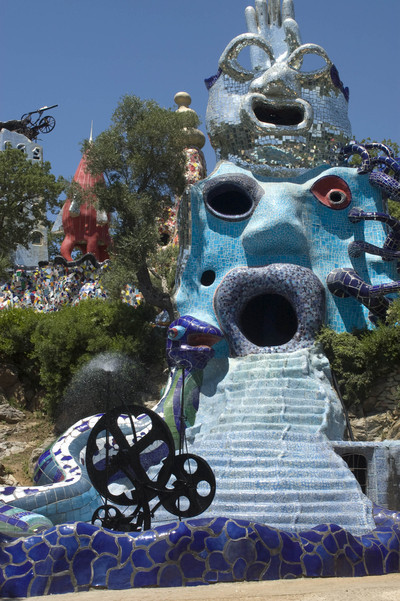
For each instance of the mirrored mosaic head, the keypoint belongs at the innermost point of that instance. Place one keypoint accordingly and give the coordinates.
(276, 116)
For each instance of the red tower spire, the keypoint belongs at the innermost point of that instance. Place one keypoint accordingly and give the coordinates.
(84, 226)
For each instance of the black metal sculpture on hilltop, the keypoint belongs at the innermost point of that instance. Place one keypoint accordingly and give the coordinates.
(29, 126)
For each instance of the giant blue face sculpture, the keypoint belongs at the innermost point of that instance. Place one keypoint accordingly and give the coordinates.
(272, 260)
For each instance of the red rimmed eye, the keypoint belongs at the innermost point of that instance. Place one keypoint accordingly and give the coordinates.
(333, 192)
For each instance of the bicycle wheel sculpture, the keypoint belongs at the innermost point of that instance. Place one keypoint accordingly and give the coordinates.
(131, 461)
(46, 124)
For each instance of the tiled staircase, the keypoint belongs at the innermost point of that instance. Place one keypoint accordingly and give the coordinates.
(263, 434)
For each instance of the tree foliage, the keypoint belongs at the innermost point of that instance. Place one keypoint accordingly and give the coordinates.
(27, 192)
(360, 358)
(141, 157)
(49, 348)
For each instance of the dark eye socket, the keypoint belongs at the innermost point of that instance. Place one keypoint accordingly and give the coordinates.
(333, 192)
(232, 197)
(229, 201)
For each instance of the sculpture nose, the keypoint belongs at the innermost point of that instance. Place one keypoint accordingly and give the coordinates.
(278, 80)
(276, 229)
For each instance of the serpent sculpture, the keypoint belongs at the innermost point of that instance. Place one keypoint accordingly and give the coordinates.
(284, 236)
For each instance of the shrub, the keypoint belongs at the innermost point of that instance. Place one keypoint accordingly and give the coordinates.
(16, 330)
(49, 348)
(67, 339)
(360, 358)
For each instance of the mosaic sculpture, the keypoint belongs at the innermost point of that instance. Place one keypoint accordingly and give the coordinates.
(84, 225)
(283, 236)
(276, 117)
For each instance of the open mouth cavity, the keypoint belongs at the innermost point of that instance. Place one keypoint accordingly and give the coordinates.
(272, 309)
(275, 115)
(267, 115)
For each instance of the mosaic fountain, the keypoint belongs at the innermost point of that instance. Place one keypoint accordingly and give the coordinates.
(282, 237)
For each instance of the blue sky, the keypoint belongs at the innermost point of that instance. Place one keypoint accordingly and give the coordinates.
(85, 54)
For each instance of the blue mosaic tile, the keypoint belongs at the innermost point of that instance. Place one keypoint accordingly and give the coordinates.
(217, 543)
(17, 552)
(170, 576)
(16, 587)
(262, 552)
(82, 566)
(235, 531)
(312, 565)
(217, 561)
(38, 587)
(239, 569)
(392, 562)
(244, 548)
(140, 559)
(290, 570)
(120, 578)
(191, 566)
(176, 533)
(198, 544)
(158, 551)
(61, 583)
(70, 545)
(273, 569)
(103, 543)
(343, 565)
(101, 567)
(291, 549)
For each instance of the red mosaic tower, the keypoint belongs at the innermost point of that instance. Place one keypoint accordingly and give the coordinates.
(85, 227)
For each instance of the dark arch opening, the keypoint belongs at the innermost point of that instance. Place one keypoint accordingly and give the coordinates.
(268, 320)
(358, 465)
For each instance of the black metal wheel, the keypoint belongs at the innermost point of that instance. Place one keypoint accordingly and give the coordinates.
(107, 516)
(190, 489)
(46, 124)
(114, 456)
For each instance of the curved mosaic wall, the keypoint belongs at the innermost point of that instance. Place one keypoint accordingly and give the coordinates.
(78, 557)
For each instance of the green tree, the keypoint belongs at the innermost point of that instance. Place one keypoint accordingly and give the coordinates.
(27, 192)
(141, 156)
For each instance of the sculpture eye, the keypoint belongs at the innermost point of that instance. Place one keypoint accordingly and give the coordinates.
(176, 333)
(232, 197)
(229, 201)
(310, 60)
(228, 62)
(333, 192)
